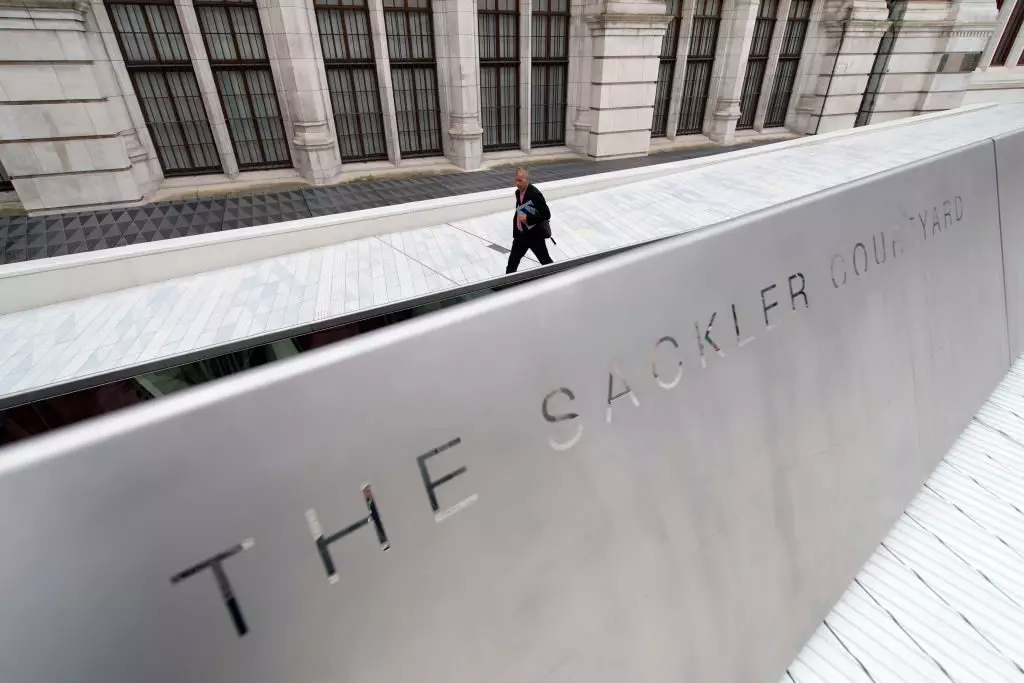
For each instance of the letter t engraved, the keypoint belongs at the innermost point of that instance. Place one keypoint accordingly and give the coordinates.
(216, 565)
(323, 543)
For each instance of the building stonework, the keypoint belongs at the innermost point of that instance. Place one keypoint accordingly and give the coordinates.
(105, 102)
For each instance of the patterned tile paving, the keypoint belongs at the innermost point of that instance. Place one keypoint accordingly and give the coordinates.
(75, 340)
(25, 239)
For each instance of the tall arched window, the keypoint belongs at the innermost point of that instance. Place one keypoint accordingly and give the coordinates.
(700, 60)
(158, 62)
(549, 80)
(498, 33)
(241, 68)
(347, 45)
(410, 32)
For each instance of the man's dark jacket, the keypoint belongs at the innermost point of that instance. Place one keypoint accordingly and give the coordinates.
(534, 206)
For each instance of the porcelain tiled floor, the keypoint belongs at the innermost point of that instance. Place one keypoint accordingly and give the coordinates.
(26, 239)
(78, 339)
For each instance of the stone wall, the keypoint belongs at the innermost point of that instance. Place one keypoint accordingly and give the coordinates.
(66, 136)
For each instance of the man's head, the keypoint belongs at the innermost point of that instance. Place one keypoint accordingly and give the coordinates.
(522, 177)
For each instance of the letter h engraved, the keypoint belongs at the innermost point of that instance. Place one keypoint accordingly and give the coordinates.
(323, 543)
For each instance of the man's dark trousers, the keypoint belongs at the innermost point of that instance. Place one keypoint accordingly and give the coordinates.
(527, 239)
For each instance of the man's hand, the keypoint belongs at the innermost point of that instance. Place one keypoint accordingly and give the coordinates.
(522, 221)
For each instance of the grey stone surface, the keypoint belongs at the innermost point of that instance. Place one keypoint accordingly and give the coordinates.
(24, 238)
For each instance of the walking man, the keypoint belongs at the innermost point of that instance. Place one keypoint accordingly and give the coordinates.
(530, 227)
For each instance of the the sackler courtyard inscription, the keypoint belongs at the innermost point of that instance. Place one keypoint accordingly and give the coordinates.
(715, 333)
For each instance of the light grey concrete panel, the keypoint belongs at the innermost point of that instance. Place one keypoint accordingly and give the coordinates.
(1010, 164)
(698, 528)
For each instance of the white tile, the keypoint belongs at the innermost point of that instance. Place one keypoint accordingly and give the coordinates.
(57, 343)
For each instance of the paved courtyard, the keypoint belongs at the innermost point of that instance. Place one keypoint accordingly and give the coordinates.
(24, 238)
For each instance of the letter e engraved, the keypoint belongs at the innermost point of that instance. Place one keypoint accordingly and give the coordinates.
(654, 365)
(793, 294)
(615, 372)
(216, 565)
(563, 417)
(433, 484)
(323, 543)
(706, 337)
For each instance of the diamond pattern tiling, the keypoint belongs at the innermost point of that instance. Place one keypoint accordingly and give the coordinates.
(88, 231)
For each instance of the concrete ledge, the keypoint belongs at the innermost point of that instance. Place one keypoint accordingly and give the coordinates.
(47, 281)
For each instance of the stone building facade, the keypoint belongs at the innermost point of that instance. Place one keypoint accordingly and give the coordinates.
(103, 102)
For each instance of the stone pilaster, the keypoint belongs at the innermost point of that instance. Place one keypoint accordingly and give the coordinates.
(455, 26)
(679, 77)
(624, 73)
(525, 73)
(731, 65)
(116, 85)
(840, 56)
(61, 139)
(298, 66)
(577, 110)
(387, 91)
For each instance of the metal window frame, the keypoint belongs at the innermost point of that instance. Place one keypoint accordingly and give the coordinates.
(668, 58)
(757, 62)
(243, 65)
(793, 38)
(162, 67)
(1009, 36)
(549, 61)
(408, 64)
(348, 66)
(498, 63)
(692, 116)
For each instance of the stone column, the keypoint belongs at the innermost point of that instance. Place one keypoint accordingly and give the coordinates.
(842, 62)
(525, 72)
(627, 44)
(458, 60)
(387, 91)
(675, 104)
(60, 138)
(768, 85)
(577, 108)
(301, 80)
(731, 66)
